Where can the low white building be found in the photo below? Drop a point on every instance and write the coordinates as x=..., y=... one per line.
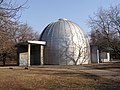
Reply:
x=98, y=56
x=30, y=53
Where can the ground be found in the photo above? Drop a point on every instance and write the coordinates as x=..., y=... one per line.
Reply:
x=84, y=77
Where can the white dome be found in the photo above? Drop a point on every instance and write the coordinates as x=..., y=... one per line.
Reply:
x=66, y=44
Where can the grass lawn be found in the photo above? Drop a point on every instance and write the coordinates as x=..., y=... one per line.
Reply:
x=53, y=78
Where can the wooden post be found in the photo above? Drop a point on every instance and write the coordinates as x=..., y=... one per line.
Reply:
x=41, y=54
x=29, y=46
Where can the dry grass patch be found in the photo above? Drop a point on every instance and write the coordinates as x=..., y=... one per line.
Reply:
x=53, y=79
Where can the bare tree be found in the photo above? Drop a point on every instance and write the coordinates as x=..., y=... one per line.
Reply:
x=22, y=33
x=10, y=8
x=106, y=28
x=12, y=32
x=6, y=46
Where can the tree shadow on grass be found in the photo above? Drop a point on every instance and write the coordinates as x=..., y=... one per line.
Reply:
x=100, y=83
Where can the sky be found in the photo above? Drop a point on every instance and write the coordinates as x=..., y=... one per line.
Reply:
x=39, y=13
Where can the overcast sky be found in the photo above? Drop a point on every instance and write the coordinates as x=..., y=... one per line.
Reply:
x=42, y=12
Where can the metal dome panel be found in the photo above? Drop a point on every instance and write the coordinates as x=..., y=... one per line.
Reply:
x=66, y=44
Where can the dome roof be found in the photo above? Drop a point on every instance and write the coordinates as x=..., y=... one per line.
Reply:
x=66, y=43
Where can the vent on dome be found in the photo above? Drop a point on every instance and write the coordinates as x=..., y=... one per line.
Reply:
x=62, y=19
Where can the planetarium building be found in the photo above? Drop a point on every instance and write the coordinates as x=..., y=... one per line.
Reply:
x=62, y=42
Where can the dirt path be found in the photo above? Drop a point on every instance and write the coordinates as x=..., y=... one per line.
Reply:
x=98, y=72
